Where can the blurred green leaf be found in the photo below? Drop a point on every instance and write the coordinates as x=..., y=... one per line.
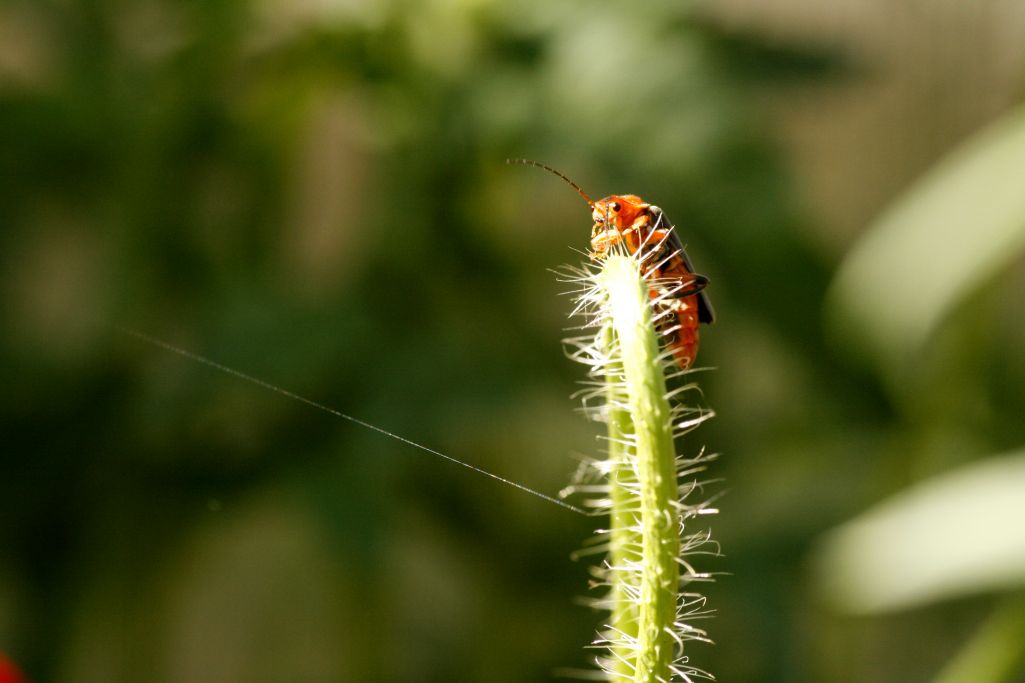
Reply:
x=957, y=534
x=954, y=229
x=995, y=652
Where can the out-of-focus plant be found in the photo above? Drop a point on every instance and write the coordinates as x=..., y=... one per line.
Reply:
x=955, y=230
x=960, y=533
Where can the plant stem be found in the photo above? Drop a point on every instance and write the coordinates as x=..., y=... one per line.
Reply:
x=624, y=538
x=654, y=465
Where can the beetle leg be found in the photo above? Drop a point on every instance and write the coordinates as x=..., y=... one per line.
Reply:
x=693, y=287
x=657, y=237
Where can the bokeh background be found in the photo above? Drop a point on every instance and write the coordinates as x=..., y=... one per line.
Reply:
x=314, y=192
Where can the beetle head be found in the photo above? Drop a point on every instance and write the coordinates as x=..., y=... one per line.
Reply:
x=612, y=216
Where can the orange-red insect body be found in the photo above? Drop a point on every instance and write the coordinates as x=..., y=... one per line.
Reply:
x=628, y=222
x=678, y=292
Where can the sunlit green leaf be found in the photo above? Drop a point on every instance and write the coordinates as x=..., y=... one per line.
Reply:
x=957, y=534
x=955, y=228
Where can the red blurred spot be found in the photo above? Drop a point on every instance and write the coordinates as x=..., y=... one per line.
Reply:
x=10, y=673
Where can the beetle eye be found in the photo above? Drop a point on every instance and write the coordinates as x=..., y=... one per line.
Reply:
x=615, y=207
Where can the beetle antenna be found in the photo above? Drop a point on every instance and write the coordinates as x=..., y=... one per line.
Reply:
x=528, y=162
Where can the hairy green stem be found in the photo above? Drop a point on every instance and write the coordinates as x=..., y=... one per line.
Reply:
x=623, y=537
x=644, y=389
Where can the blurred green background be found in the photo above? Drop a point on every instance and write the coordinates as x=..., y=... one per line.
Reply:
x=314, y=192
